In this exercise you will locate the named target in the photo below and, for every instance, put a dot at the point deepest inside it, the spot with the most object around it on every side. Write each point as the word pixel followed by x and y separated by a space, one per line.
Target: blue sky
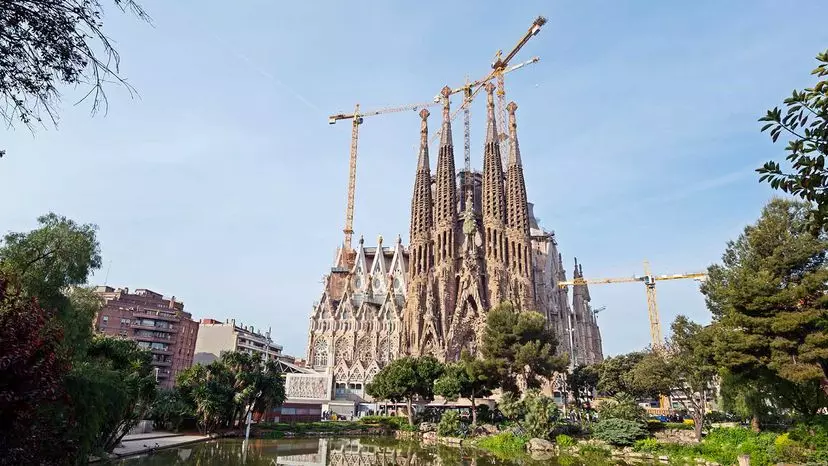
pixel 223 184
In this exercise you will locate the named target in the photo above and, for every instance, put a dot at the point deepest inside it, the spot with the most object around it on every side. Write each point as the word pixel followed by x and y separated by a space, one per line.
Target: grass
pixel 724 446
pixel 504 444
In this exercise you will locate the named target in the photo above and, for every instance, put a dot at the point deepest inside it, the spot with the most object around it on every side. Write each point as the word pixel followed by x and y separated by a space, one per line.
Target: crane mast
pixel 649 281
pixel 498 69
pixel 356 120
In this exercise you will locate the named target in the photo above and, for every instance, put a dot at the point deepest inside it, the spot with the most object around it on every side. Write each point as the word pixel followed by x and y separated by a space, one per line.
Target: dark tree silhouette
pixel 44 43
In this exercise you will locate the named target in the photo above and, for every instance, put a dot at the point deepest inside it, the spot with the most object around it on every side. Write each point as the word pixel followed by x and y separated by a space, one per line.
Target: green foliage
pixel 615 375
pixel 723 446
pixel 582 383
pixel 769 297
pixel 389 422
pixel 469 378
pixel 169 410
pixel 46 262
pixel 564 441
pixel 450 424
pixel 511 406
pixel 805 125
pixel 223 391
pixel 110 385
pixel 405 379
pixel 619 432
pixel 541 414
pixel 521 345
pixel 126 388
pixel 504 443
pixel 685 367
pixel 622 406
pixel 646 445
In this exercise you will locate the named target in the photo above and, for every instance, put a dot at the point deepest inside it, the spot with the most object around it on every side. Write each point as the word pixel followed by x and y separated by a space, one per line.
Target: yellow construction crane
pixel 649 281
pixel 498 69
pixel 357 118
pixel 470 91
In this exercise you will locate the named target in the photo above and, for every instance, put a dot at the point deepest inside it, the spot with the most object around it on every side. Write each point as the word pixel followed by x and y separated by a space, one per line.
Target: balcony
pixel 156 315
pixel 160 351
pixel 139 326
pixel 162 363
pixel 153 338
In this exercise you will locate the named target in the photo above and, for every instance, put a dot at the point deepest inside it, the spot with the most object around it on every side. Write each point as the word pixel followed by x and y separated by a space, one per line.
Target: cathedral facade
pixel 474 243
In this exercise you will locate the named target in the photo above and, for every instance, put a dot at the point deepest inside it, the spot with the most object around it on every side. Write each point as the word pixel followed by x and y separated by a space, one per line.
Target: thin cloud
pixel 269 76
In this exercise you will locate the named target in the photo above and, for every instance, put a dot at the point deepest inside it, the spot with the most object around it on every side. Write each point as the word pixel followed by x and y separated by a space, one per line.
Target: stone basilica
pixel 474 243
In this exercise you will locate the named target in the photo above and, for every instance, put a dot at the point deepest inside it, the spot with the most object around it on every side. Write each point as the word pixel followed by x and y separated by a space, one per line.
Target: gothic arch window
pixel 343 352
pixel 320 353
pixel 384 351
pixel 364 352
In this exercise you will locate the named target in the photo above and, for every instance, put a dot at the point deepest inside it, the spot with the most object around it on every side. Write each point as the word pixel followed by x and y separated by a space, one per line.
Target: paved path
pixel 142 443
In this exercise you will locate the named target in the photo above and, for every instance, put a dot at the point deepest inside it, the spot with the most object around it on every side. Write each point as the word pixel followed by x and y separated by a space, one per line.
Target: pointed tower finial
pixel 361 240
pixel 422 162
pixel 491 129
pixel 514 149
pixel 581 270
pixel 445 133
pixel 399 239
pixel 379 240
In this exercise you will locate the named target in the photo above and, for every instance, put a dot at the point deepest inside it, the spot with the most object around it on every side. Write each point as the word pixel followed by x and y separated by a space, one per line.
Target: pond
pixel 340 451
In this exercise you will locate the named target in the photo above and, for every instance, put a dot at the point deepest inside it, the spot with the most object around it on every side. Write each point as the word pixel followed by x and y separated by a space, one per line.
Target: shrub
pixel 541 413
pixel 622 406
pixel 511 407
pixel 449 425
pixel 484 414
pixel 389 422
pixel 504 443
pixel 646 445
pixel 564 441
pixel 620 432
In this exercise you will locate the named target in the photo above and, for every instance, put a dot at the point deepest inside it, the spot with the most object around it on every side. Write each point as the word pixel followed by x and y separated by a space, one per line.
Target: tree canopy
pixel 615 376
pixel 470 378
pixel 44 43
pixel 769 295
pixel 685 367
pixel 804 123
pixel 522 346
pixel 405 379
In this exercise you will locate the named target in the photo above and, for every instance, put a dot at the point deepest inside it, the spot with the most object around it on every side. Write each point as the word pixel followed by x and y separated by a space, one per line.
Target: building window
pixel 104 320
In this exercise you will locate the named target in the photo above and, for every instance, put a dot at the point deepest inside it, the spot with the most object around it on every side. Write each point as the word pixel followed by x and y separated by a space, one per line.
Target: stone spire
pixel 519 243
pixel 422 221
pixel 517 210
pixel 445 202
pixel 494 207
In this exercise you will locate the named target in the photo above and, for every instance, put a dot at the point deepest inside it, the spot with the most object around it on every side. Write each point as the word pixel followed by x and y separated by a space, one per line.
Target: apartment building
pixel 156 323
pixel 215 337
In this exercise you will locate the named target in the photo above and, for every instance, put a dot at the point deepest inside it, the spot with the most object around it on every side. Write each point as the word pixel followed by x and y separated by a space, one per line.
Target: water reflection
pixel 335 452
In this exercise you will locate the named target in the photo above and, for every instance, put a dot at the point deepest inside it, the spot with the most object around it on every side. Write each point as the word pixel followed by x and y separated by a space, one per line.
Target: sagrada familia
pixel 474 243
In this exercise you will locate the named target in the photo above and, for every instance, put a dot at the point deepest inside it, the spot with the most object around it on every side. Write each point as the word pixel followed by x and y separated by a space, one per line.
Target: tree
pixel 805 124
pixel 615 376
pixel 406 379
pixel 169 410
pixel 769 297
pixel 522 346
pixel 111 390
pixel 622 406
pixel 685 367
pixel 44 43
pixel 582 382
pixel 209 391
pixel 48 264
pixel 32 371
pixel 470 378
